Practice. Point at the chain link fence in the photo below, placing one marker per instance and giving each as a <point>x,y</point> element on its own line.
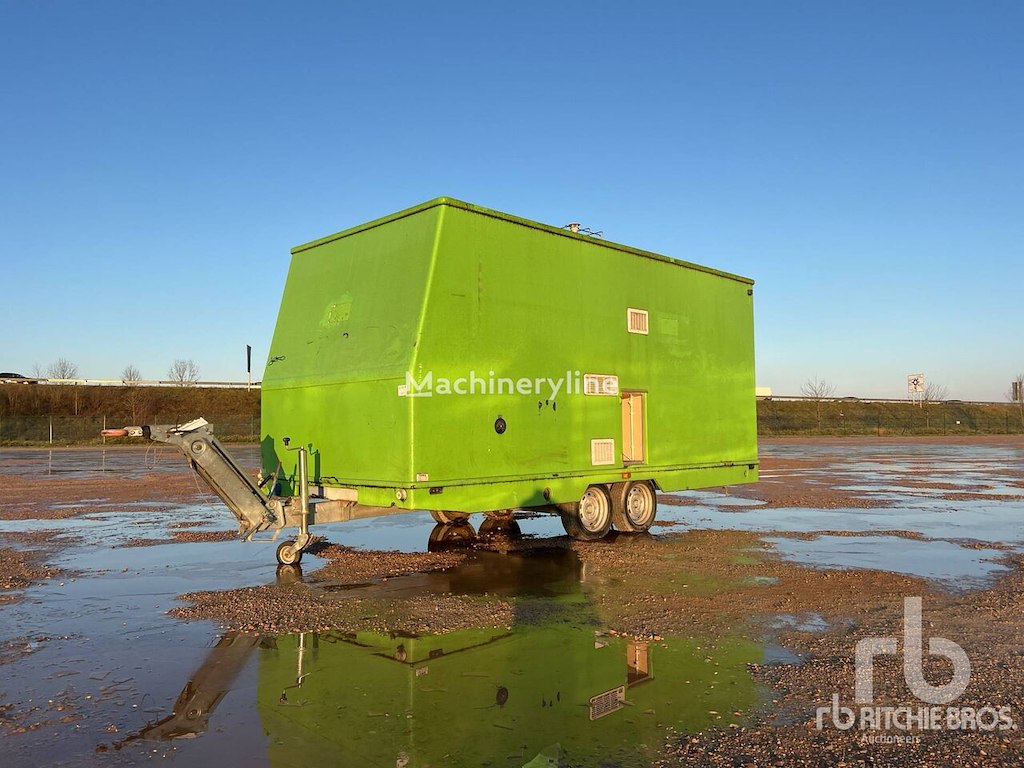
<point>839,417</point>
<point>773,418</point>
<point>66,430</point>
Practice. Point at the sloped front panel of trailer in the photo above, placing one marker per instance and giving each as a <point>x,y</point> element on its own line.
<point>345,335</point>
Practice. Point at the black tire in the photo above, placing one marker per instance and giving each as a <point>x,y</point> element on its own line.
<point>505,525</point>
<point>448,518</point>
<point>287,554</point>
<point>450,537</point>
<point>634,506</point>
<point>289,574</point>
<point>589,519</point>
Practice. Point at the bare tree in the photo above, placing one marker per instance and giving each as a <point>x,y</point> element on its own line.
<point>63,369</point>
<point>934,393</point>
<point>134,395</point>
<point>35,397</point>
<point>818,391</point>
<point>184,372</point>
<point>813,389</point>
<point>131,376</point>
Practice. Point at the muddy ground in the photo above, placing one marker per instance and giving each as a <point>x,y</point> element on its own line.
<point>818,555</point>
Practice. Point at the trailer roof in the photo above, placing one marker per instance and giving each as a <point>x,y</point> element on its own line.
<point>453,203</point>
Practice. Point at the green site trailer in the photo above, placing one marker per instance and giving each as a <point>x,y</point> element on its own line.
<point>456,359</point>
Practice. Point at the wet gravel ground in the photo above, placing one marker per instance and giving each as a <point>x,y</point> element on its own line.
<point>340,596</point>
<point>989,626</point>
<point>186,537</point>
<point>21,568</point>
<point>106,580</point>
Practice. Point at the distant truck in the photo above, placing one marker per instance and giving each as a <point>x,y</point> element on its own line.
<point>458,360</point>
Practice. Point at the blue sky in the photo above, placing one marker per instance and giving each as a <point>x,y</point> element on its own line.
<point>862,161</point>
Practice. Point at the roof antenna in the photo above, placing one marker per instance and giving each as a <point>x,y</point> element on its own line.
<point>576,229</point>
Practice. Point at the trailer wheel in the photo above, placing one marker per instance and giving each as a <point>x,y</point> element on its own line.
<point>287,554</point>
<point>503,524</point>
<point>634,506</point>
<point>444,537</point>
<point>288,574</point>
<point>448,518</point>
<point>590,518</point>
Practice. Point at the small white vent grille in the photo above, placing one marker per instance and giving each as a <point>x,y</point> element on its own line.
<point>602,451</point>
<point>607,702</point>
<point>637,321</point>
<point>600,384</point>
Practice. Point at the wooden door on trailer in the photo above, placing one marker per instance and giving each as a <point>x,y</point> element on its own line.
<point>633,428</point>
<point>638,662</point>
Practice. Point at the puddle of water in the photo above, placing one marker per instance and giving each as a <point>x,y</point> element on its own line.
<point>905,468</point>
<point>958,567</point>
<point>776,654</point>
<point>983,520</point>
<point>898,475</point>
<point>125,522</point>
<point>467,698</point>
<point>899,492</point>
<point>471,697</point>
<point>718,499</point>
<point>104,652</point>
<point>145,685</point>
<point>805,622</point>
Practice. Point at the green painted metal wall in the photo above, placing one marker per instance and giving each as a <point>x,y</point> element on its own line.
<point>449,289</point>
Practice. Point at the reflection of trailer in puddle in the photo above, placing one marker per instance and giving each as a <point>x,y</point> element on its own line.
<point>206,688</point>
<point>556,688</point>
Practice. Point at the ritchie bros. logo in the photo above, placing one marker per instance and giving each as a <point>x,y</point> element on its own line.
<point>867,717</point>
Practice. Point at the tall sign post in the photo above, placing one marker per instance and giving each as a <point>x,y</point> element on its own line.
<point>915,388</point>
<point>248,367</point>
